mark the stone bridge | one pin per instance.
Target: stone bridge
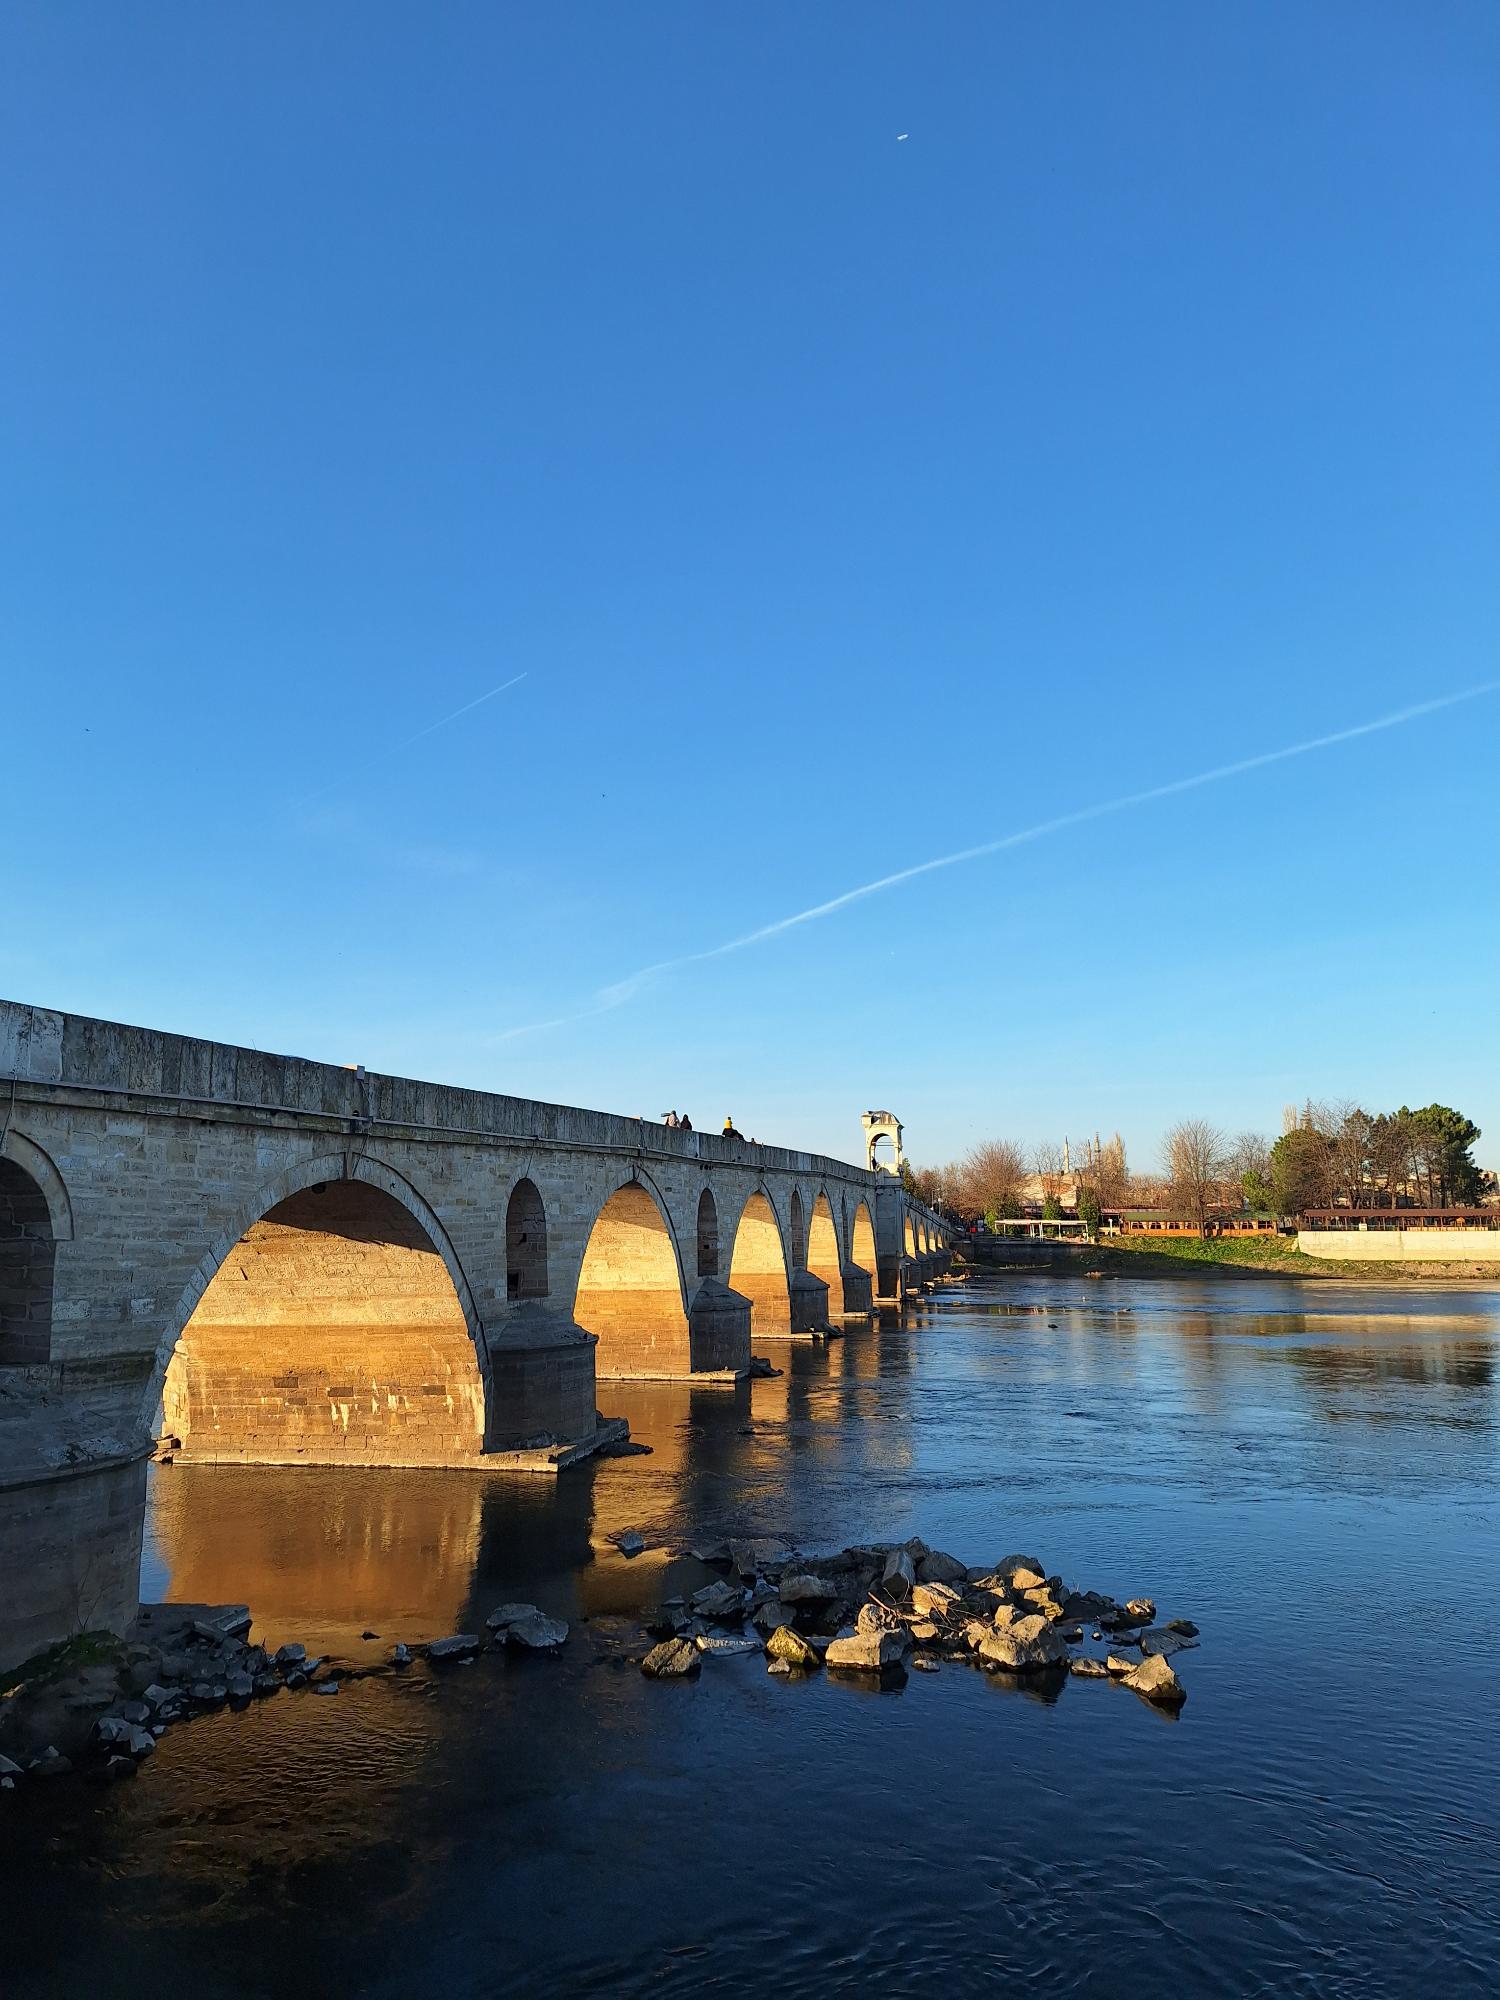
(276, 1261)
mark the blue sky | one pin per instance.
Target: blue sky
(844, 500)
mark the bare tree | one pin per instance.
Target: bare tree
(1247, 1170)
(1194, 1155)
(990, 1178)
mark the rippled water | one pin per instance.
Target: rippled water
(1308, 1471)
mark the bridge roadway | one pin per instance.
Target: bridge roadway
(275, 1261)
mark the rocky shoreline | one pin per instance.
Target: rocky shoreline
(99, 1707)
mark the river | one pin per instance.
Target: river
(1309, 1471)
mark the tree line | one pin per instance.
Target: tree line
(1328, 1156)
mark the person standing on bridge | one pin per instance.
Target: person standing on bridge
(671, 1121)
(685, 1123)
(729, 1132)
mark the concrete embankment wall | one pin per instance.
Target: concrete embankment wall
(1416, 1246)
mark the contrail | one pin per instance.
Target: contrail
(407, 741)
(625, 989)
(443, 720)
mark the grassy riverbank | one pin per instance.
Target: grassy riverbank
(1261, 1257)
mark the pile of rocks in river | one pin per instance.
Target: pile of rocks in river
(883, 1608)
(103, 1716)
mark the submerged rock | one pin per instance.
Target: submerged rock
(1163, 1641)
(457, 1646)
(629, 1541)
(1089, 1670)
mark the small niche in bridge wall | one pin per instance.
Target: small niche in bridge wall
(331, 1334)
(708, 1236)
(26, 1254)
(630, 1290)
(823, 1255)
(757, 1270)
(525, 1243)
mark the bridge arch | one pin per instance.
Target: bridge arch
(630, 1291)
(823, 1258)
(335, 1327)
(862, 1239)
(525, 1243)
(34, 1213)
(909, 1238)
(758, 1267)
(708, 1235)
(797, 1231)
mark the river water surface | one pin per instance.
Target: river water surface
(1308, 1471)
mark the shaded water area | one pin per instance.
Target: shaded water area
(1309, 1471)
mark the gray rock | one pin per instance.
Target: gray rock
(1117, 1668)
(290, 1655)
(266, 1684)
(718, 1600)
(876, 1617)
(629, 1541)
(51, 1764)
(899, 1576)
(714, 1553)
(673, 1659)
(772, 1617)
(1089, 1670)
(457, 1646)
(1183, 1625)
(935, 1567)
(507, 1614)
(135, 1711)
(241, 1687)
(400, 1655)
(802, 1588)
(938, 1600)
(923, 1665)
(723, 1645)
(1020, 1572)
(296, 1679)
(325, 1687)
(756, 1553)
(536, 1633)
(868, 1652)
(8, 1769)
